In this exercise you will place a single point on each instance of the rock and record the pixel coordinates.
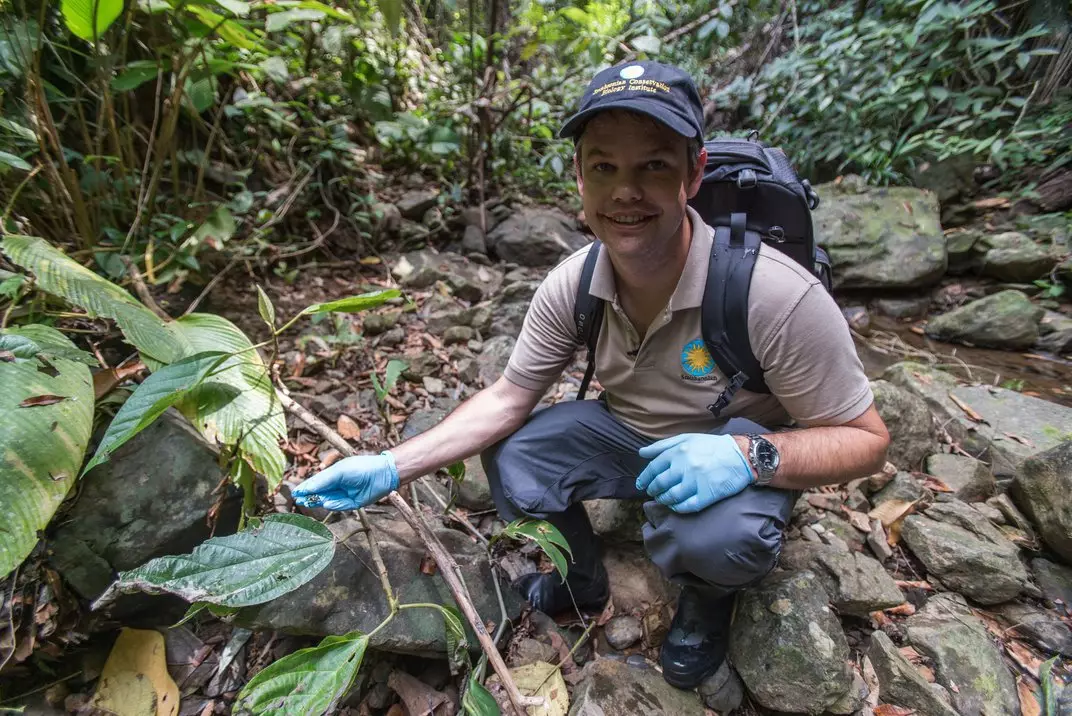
(530, 651)
(964, 657)
(1042, 628)
(535, 237)
(1043, 490)
(1006, 319)
(880, 238)
(1055, 581)
(388, 218)
(963, 255)
(149, 500)
(507, 319)
(1056, 333)
(990, 512)
(902, 307)
(414, 203)
(474, 493)
(393, 337)
(519, 292)
(635, 583)
(419, 366)
(1014, 257)
(856, 583)
(494, 357)
(347, 595)
(458, 334)
(858, 319)
(473, 240)
(374, 324)
(1012, 516)
(966, 553)
(1039, 423)
(970, 479)
(469, 282)
(912, 432)
(421, 421)
(723, 690)
(617, 520)
(623, 631)
(608, 687)
(903, 487)
(900, 682)
(948, 178)
(788, 647)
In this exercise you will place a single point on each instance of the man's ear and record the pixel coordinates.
(577, 170)
(698, 171)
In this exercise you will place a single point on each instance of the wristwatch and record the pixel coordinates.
(763, 457)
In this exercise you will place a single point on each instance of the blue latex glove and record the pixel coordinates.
(695, 470)
(350, 483)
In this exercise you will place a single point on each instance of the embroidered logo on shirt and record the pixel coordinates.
(696, 361)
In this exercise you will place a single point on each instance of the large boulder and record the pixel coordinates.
(966, 661)
(912, 432)
(857, 584)
(348, 595)
(469, 282)
(965, 552)
(1006, 319)
(789, 649)
(901, 684)
(535, 237)
(1014, 257)
(1043, 490)
(150, 499)
(968, 478)
(1014, 426)
(610, 687)
(886, 238)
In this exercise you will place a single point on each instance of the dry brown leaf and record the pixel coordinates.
(331, 457)
(994, 202)
(880, 620)
(824, 501)
(967, 409)
(903, 610)
(926, 672)
(348, 428)
(913, 584)
(104, 381)
(1029, 705)
(419, 698)
(396, 419)
(933, 483)
(860, 521)
(916, 329)
(39, 400)
(1022, 441)
(891, 511)
(135, 679)
(888, 710)
(1024, 656)
(911, 654)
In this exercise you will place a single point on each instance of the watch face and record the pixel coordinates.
(766, 454)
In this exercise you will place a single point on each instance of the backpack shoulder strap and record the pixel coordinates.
(588, 315)
(724, 313)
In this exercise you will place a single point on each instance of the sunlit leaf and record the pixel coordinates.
(355, 304)
(81, 19)
(265, 307)
(237, 7)
(8, 159)
(135, 74)
(282, 20)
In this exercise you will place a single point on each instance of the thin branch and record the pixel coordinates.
(143, 290)
(374, 548)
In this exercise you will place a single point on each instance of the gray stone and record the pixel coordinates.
(420, 365)
(507, 319)
(414, 203)
(966, 661)
(421, 421)
(856, 583)
(393, 337)
(788, 647)
(1006, 319)
(474, 493)
(1055, 330)
(1039, 423)
(434, 386)
(473, 240)
(535, 237)
(623, 631)
(948, 178)
(471, 217)
(608, 688)
(468, 370)
(469, 282)
(880, 237)
(387, 217)
(1042, 628)
(903, 487)
(911, 428)
(899, 681)
(458, 334)
(1014, 257)
(149, 500)
(373, 324)
(347, 595)
(1055, 581)
(902, 307)
(990, 512)
(635, 583)
(617, 520)
(723, 690)
(963, 255)
(519, 292)
(494, 357)
(1043, 490)
(966, 553)
(530, 651)
(970, 479)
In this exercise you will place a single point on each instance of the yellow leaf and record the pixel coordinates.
(891, 511)
(135, 680)
(543, 679)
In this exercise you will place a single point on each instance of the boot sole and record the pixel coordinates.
(681, 681)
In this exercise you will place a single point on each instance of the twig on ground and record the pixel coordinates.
(211, 285)
(142, 290)
(447, 565)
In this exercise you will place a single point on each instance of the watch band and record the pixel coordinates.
(763, 457)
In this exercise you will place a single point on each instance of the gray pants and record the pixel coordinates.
(577, 450)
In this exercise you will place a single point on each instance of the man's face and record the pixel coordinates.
(633, 175)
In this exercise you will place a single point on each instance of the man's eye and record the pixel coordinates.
(656, 164)
(602, 167)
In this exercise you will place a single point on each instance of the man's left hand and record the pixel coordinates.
(695, 470)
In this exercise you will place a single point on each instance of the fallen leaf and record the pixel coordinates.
(917, 330)
(888, 710)
(104, 381)
(891, 511)
(903, 610)
(1029, 705)
(419, 698)
(331, 457)
(348, 428)
(994, 202)
(967, 409)
(543, 679)
(399, 419)
(1024, 657)
(911, 654)
(933, 483)
(923, 378)
(370, 261)
(135, 679)
(1022, 441)
(39, 400)
(926, 672)
(913, 584)
(428, 565)
(824, 501)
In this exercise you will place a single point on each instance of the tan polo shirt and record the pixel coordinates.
(661, 386)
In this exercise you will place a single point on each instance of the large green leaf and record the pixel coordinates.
(240, 570)
(84, 22)
(355, 304)
(477, 700)
(307, 682)
(61, 275)
(156, 394)
(41, 447)
(252, 418)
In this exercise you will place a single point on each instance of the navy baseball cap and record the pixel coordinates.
(660, 91)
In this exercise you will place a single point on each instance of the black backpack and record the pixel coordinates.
(750, 194)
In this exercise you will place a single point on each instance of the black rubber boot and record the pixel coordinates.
(698, 639)
(586, 576)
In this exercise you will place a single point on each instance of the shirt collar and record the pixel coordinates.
(690, 286)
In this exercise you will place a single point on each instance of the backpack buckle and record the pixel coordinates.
(727, 393)
(747, 179)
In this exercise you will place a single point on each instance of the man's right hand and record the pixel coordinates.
(350, 483)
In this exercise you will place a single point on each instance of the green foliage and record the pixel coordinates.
(547, 538)
(41, 445)
(308, 682)
(254, 566)
(477, 700)
(354, 304)
(394, 370)
(89, 19)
